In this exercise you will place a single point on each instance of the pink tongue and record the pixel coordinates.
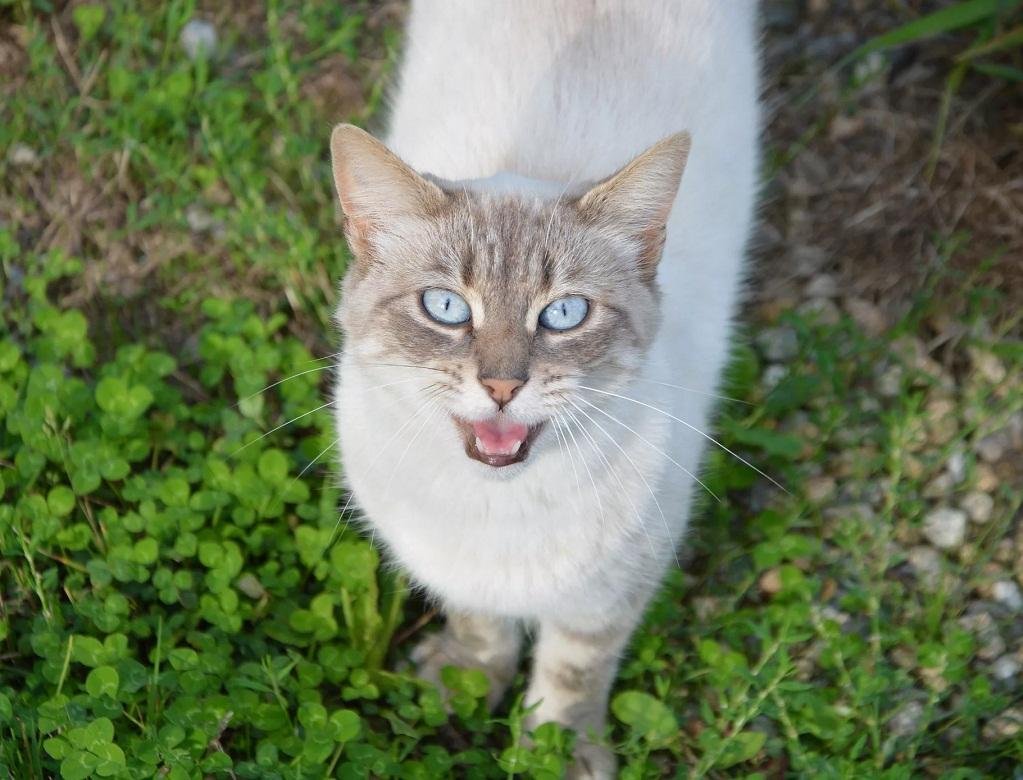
(499, 436)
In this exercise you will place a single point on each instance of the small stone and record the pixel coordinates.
(906, 720)
(251, 586)
(889, 383)
(22, 156)
(945, 527)
(992, 447)
(828, 612)
(926, 564)
(1007, 592)
(987, 365)
(979, 506)
(987, 479)
(198, 39)
(820, 489)
(773, 374)
(941, 422)
(807, 260)
(822, 286)
(778, 344)
(823, 310)
(770, 582)
(199, 218)
(939, 487)
(990, 642)
(955, 466)
(1004, 726)
(1005, 668)
(843, 127)
(867, 316)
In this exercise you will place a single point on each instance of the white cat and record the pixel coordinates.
(535, 323)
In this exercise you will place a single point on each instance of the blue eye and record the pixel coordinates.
(565, 313)
(446, 307)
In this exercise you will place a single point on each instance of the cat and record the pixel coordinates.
(546, 259)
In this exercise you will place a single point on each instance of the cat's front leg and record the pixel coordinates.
(472, 641)
(573, 671)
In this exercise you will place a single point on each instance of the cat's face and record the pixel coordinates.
(505, 304)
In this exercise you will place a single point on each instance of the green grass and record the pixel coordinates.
(178, 595)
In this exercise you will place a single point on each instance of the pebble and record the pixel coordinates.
(939, 487)
(906, 720)
(823, 310)
(889, 383)
(1005, 668)
(992, 447)
(979, 506)
(773, 374)
(867, 316)
(822, 286)
(778, 344)
(987, 480)
(955, 467)
(198, 39)
(1007, 592)
(990, 644)
(199, 218)
(945, 527)
(806, 260)
(926, 563)
(820, 489)
(22, 156)
(251, 586)
(987, 365)
(770, 582)
(1004, 726)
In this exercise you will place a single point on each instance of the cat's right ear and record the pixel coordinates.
(375, 187)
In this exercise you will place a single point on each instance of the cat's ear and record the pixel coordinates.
(375, 187)
(638, 198)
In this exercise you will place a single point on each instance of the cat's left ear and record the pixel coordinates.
(638, 199)
(376, 188)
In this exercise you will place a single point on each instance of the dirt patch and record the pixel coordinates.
(857, 197)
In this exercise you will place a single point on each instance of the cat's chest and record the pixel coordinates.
(522, 546)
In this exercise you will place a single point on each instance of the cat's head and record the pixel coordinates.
(508, 303)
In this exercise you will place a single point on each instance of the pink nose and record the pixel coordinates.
(502, 390)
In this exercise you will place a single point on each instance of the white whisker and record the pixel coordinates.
(617, 477)
(282, 425)
(639, 473)
(656, 449)
(692, 428)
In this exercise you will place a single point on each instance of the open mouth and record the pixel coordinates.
(497, 441)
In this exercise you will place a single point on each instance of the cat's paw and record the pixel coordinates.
(592, 762)
(442, 649)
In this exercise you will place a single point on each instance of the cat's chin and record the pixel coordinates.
(516, 448)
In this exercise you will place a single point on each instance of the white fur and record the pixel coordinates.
(566, 93)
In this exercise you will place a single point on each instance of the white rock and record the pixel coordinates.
(992, 447)
(926, 563)
(945, 527)
(955, 467)
(1005, 668)
(906, 719)
(867, 316)
(823, 310)
(773, 374)
(778, 344)
(979, 506)
(198, 39)
(22, 156)
(889, 383)
(1008, 593)
(822, 286)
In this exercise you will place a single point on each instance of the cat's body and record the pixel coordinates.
(520, 107)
